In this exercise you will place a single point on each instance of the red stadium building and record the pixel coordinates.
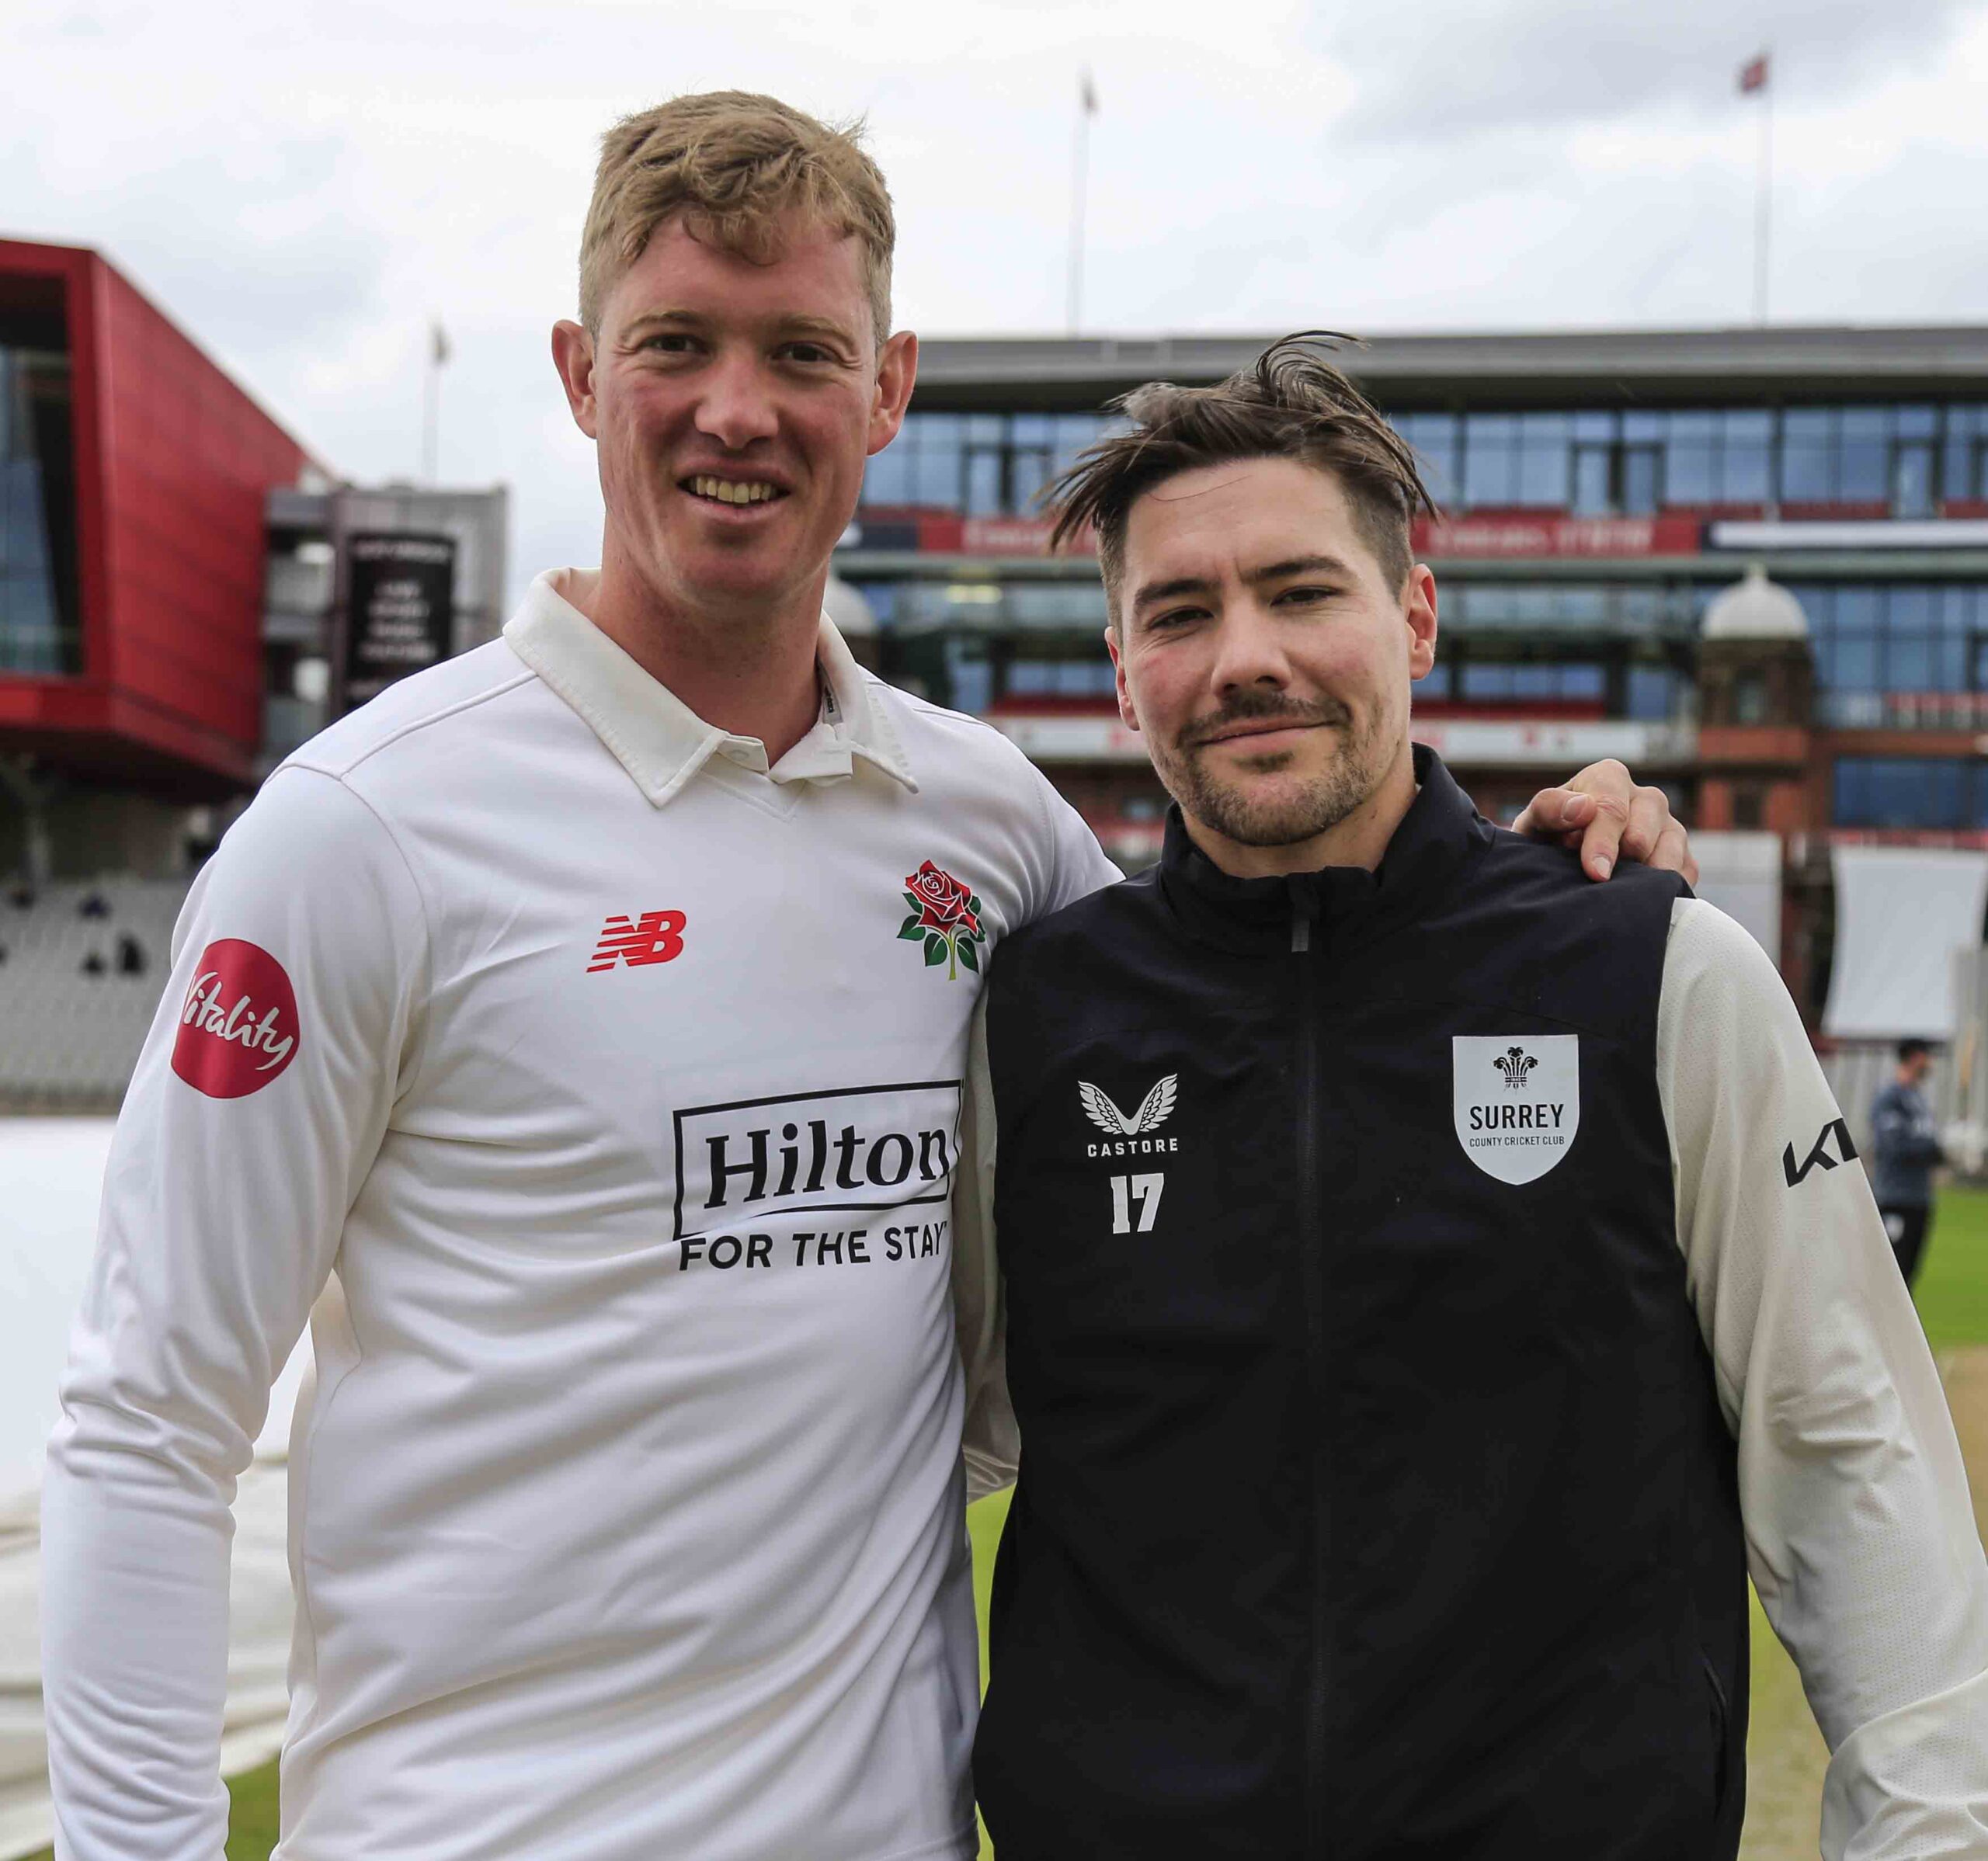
(131, 536)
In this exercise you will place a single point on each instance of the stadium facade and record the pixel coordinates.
(185, 595)
(1600, 492)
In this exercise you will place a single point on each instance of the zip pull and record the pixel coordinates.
(1300, 935)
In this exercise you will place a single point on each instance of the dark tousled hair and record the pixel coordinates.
(1291, 403)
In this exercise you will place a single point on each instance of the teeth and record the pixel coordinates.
(726, 491)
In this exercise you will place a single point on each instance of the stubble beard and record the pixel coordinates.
(1288, 815)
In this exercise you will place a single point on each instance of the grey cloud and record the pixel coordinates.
(1446, 70)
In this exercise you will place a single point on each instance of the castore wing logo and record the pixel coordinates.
(1131, 1132)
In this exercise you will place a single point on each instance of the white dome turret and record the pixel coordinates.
(853, 616)
(1755, 608)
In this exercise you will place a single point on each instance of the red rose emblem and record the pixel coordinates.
(945, 918)
(239, 1028)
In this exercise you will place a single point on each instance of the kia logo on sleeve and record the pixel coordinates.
(239, 1027)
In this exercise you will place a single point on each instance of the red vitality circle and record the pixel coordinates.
(239, 1027)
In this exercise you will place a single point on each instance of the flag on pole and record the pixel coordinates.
(1753, 75)
(1087, 92)
(441, 351)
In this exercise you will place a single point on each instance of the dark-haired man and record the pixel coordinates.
(1414, 1335)
(1907, 1143)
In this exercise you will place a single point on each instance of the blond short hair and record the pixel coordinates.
(732, 166)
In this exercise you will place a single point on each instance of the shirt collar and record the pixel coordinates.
(655, 736)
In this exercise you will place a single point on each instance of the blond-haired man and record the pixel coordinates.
(573, 1035)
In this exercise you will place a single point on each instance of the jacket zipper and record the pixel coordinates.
(1311, 1242)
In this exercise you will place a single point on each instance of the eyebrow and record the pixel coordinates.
(788, 328)
(1271, 571)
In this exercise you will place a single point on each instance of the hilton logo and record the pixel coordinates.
(1516, 1140)
(868, 1147)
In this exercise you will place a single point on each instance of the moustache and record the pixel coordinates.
(1246, 708)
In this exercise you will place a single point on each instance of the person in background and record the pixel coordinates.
(1908, 1152)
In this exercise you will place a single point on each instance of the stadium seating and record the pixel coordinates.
(78, 990)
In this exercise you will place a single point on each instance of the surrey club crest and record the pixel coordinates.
(1517, 1100)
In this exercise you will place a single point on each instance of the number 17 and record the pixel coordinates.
(1145, 1191)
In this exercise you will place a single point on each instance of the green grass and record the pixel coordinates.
(1784, 1751)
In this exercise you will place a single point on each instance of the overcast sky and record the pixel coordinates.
(303, 193)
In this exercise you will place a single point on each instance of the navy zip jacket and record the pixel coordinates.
(1375, 1500)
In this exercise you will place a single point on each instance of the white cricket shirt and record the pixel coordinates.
(594, 1091)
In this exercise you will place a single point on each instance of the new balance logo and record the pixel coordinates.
(654, 937)
(1819, 1158)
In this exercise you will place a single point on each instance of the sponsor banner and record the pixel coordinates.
(1552, 535)
(1516, 743)
(1517, 1101)
(400, 607)
(756, 1160)
(1054, 738)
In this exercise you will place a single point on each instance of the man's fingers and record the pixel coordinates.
(1601, 844)
(1673, 853)
(1650, 815)
(1555, 811)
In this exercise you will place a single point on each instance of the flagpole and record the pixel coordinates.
(431, 412)
(1763, 205)
(1080, 189)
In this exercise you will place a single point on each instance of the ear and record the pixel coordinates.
(897, 373)
(1129, 716)
(1418, 610)
(572, 355)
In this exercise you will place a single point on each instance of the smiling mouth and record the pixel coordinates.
(733, 491)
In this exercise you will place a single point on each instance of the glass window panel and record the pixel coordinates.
(1856, 668)
(1746, 469)
(983, 484)
(1591, 474)
(1863, 470)
(1028, 472)
(1651, 692)
(1908, 609)
(986, 429)
(1490, 471)
(1950, 657)
(1808, 469)
(1435, 684)
(1908, 663)
(1957, 468)
(1586, 682)
(1486, 683)
(936, 476)
(1912, 478)
(1698, 427)
(1864, 424)
(1954, 609)
(1596, 425)
(1642, 424)
(1075, 432)
(1915, 422)
(888, 477)
(1543, 470)
(1034, 429)
(1641, 488)
(1690, 467)
(1856, 604)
